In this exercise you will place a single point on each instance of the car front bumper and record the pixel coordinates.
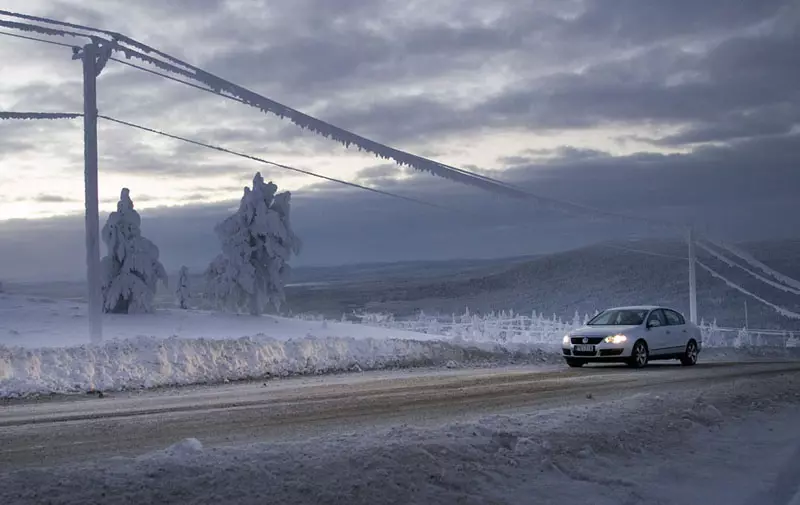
(602, 352)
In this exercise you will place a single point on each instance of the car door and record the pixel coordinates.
(677, 331)
(656, 335)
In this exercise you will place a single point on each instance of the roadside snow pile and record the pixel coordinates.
(146, 362)
(42, 350)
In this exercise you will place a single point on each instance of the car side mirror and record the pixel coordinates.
(653, 324)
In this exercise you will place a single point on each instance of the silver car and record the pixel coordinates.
(633, 335)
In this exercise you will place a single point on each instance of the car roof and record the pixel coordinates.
(638, 307)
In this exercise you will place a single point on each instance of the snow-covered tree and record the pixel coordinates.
(182, 294)
(257, 244)
(131, 269)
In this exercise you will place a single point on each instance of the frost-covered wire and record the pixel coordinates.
(171, 78)
(780, 310)
(272, 163)
(134, 49)
(234, 92)
(733, 264)
(754, 262)
(37, 39)
(38, 115)
(27, 27)
(114, 35)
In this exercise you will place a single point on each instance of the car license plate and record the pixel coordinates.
(584, 347)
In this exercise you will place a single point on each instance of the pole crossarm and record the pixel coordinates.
(39, 115)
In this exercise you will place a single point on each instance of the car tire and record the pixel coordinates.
(639, 355)
(575, 363)
(689, 357)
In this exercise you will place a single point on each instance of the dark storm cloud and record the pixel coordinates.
(578, 65)
(341, 225)
(640, 22)
(746, 86)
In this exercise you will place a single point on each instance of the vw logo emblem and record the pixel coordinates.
(585, 340)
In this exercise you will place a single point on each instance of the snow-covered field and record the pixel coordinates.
(43, 348)
(666, 447)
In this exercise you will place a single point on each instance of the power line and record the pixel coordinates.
(68, 115)
(26, 37)
(39, 115)
(780, 310)
(305, 121)
(171, 78)
(508, 189)
(734, 264)
(26, 27)
(272, 163)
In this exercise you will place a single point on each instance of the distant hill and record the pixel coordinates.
(582, 280)
(585, 280)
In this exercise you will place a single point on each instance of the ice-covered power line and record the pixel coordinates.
(36, 39)
(780, 310)
(274, 164)
(734, 264)
(135, 49)
(103, 43)
(175, 79)
(785, 279)
(38, 115)
(27, 27)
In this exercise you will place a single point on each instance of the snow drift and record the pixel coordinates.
(146, 362)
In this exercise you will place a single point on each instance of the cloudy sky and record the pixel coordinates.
(681, 110)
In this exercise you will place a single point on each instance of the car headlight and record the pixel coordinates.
(615, 339)
(565, 340)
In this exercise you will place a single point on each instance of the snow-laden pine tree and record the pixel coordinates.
(182, 293)
(131, 269)
(257, 244)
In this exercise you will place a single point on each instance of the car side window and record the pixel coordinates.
(656, 315)
(673, 318)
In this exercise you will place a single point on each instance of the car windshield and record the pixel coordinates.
(626, 317)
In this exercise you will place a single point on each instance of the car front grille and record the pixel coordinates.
(584, 353)
(591, 340)
(610, 352)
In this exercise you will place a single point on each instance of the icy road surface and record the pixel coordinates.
(720, 434)
(67, 429)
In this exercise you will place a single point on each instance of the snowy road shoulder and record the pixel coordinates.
(693, 445)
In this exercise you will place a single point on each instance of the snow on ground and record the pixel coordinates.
(43, 348)
(676, 447)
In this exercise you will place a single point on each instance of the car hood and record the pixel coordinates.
(601, 331)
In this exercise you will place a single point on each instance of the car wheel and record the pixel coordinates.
(689, 357)
(639, 355)
(575, 363)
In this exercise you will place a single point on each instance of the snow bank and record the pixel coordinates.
(146, 362)
(42, 348)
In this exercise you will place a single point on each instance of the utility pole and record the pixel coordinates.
(94, 59)
(692, 278)
(746, 316)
